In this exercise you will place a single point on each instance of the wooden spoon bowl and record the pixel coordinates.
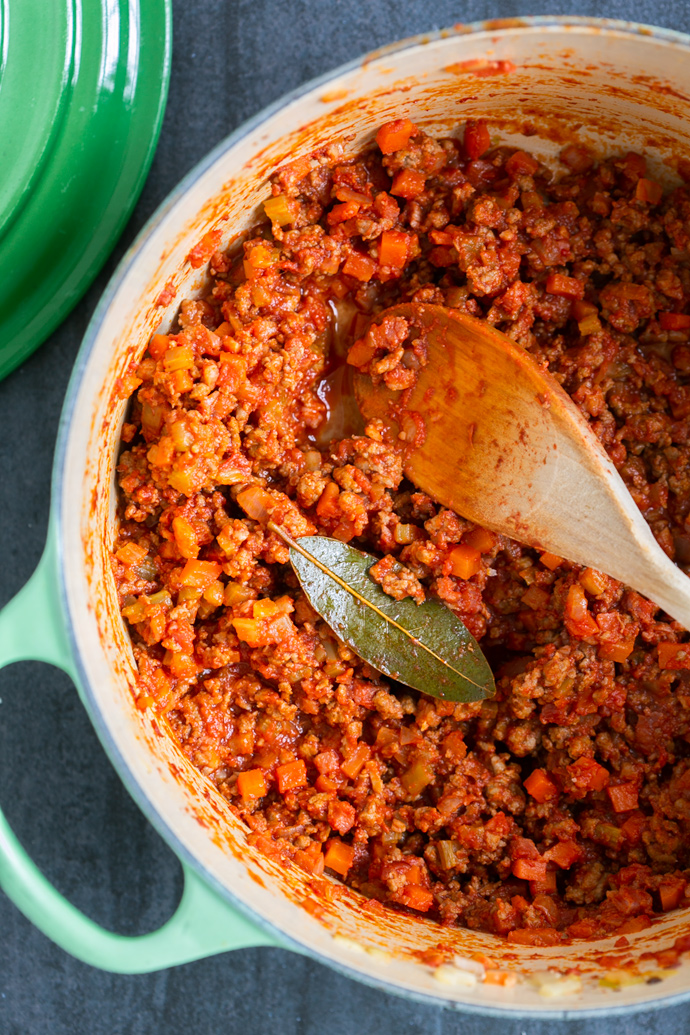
(489, 433)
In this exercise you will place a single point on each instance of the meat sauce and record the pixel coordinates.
(558, 809)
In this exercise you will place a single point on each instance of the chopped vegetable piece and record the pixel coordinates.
(564, 854)
(395, 135)
(158, 345)
(623, 796)
(339, 856)
(464, 561)
(588, 775)
(674, 321)
(416, 897)
(559, 284)
(408, 183)
(199, 575)
(579, 622)
(480, 539)
(359, 266)
(674, 656)
(521, 164)
(278, 210)
(649, 191)
(393, 248)
(252, 783)
(671, 894)
(352, 766)
(551, 561)
(291, 776)
(530, 869)
(540, 786)
(477, 139)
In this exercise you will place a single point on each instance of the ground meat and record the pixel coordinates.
(557, 809)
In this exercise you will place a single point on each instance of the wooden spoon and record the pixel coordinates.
(490, 434)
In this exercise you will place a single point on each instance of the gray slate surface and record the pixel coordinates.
(60, 793)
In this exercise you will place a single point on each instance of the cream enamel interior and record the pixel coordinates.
(617, 89)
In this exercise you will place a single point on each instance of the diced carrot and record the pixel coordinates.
(361, 267)
(232, 371)
(535, 597)
(674, 657)
(131, 554)
(256, 502)
(593, 581)
(623, 796)
(355, 763)
(453, 746)
(649, 191)
(325, 784)
(179, 358)
(559, 284)
(464, 561)
(158, 345)
(578, 621)
(339, 856)
(634, 165)
(480, 539)
(182, 666)
(674, 321)
(547, 886)
(635, 924)
(361, 353)
(551, 561)
(185, 538)
(395, 135)
(408, 183)
(540, 786)
(199, 574)
(311, 858)
(215, 593)
(393, 248)
(616, 651)
(476, 140)
(341, 816)
(416, 897)
(341, 213)
(252, 783)
(588, 775)
(291, 776)
(181, 382)
(279, 209)
(259, 256)
(265, 608)
(326, 507)
(564, 854)
(529, 869)
(521, 164)
(670, 894)
(633, 827)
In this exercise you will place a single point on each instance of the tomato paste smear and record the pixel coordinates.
(559, 808)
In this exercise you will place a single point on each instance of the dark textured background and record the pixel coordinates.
(231, 57)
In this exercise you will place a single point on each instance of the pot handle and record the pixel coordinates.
(32, 628)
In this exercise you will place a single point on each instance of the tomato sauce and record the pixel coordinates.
(559, 809)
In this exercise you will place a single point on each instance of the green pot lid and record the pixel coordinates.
(82, 94)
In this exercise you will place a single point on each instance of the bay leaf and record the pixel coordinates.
(424, 645)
